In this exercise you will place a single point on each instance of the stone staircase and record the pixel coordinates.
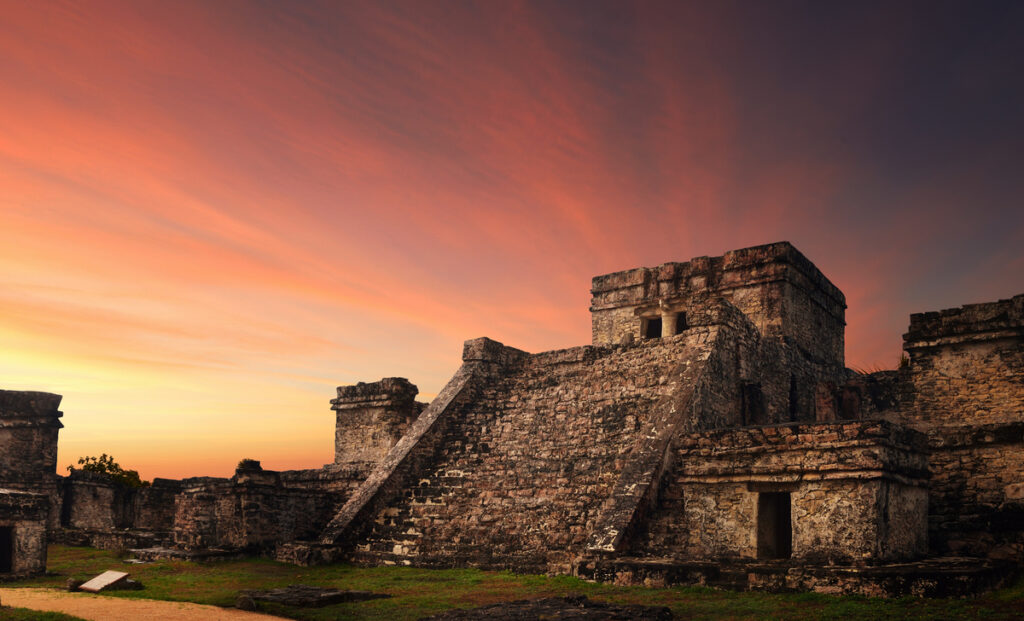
(395, 537)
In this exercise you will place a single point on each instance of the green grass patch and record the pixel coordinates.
(420, 592)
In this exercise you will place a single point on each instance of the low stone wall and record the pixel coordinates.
(966, 365)
(252, 511)
(855, 491)
(977, 492)
(940, 577)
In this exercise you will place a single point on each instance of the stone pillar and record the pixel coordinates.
(668, 323)
(29, 422)
(371, 418)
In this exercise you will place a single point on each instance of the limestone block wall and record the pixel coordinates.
(857, 491)
(23, 518)
(29, 424)
(965, 386)
(371, 417)
(152, 508)
(95, 503)
(518, 479)
(977, 492)
(782, 293)
(252, 511)
(966, 365)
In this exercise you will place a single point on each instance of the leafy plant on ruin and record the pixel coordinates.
(105, 465)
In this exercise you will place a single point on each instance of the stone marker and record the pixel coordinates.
(103, 581)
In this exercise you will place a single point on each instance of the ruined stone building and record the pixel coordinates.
(710, 434)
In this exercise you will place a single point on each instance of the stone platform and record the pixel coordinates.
(938, 577)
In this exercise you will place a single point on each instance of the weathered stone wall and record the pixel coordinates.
(25, 514)
(29, 424)
(782, 293)
(857, 490)
(964, 386)
(152, 507)
(966, 365)
(524, 466)
(372, 417)
(98, 512)
(252, 511)
(94, 502)
(977, 492)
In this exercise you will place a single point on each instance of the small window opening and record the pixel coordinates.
(752, 407)
(652, 328)
(6, 549)
(774, 525)
(680, 323)
(794, 398)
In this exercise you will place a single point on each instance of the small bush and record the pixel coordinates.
(105, 465)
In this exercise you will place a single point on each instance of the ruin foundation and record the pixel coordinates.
(710, 434)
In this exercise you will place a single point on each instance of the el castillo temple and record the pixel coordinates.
(710, 434)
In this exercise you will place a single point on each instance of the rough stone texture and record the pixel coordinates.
(966, 365)
(938, 577)
(29, 424)
(774, 285)
(858, 492)
(712, 421)
(574, 607)
(251, 511)
(977, 508)
(964, 386)
(372, 417)
(29, 497)
(23, 521)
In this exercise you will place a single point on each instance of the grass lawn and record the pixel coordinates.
(419, 592)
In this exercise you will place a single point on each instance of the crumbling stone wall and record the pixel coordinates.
(23, 519)
(966, 365)
(977, 493)
(252, 511)
(94, 508)
(29, 424)
(372, 417)
(94, 502)
(964, 387)
(782, 293)
(858, 492)
(524, 466)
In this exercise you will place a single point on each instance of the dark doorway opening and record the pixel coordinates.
(652, 328)
(6, 549)
(774, 525)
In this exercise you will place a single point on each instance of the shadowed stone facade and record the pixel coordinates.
(710, 434)
(29, 495)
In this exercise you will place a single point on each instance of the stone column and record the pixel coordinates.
(668, 323)
(371, 417)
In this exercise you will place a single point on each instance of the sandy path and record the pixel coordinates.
(100, 608)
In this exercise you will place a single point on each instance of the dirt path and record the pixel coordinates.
(100, 608)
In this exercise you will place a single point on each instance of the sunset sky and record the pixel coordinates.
(214, 213)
